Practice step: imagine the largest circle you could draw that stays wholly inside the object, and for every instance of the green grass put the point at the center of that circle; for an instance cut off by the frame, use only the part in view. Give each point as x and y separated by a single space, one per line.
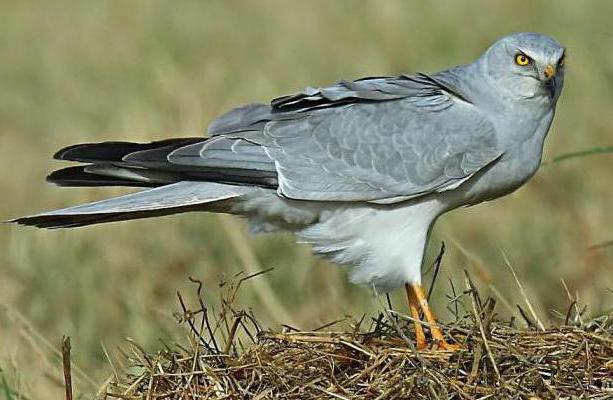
7 391
142 70
583 153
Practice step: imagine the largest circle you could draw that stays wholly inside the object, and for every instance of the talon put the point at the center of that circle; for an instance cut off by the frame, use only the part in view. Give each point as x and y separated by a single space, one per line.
421 344
444 346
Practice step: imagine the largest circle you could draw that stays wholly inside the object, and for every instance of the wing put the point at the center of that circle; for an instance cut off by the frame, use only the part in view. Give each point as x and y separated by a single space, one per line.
379 151
368 140
375 139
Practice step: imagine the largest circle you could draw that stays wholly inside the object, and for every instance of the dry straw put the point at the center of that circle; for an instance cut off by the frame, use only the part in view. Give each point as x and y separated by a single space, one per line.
229 356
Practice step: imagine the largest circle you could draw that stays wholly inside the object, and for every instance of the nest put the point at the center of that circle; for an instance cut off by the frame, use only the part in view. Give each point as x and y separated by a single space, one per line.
232 357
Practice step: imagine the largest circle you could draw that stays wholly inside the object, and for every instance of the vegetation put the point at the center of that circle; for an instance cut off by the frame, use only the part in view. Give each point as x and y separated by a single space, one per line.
146 69
230 356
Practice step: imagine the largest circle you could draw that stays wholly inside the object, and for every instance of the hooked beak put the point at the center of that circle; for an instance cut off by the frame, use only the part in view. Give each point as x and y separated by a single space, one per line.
550 80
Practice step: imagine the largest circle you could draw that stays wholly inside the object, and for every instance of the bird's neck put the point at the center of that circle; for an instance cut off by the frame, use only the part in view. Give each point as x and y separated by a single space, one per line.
531 117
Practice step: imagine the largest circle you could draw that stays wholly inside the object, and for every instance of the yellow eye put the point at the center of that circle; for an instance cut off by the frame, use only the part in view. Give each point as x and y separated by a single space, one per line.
522 59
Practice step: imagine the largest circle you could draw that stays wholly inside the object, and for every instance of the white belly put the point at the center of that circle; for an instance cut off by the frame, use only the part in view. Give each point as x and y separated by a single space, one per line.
384 246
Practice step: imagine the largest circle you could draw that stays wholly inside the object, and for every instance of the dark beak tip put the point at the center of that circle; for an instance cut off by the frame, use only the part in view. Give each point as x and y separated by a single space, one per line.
550 85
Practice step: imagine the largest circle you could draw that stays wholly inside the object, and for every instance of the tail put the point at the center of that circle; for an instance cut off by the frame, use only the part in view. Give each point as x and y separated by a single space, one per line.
149 164
105 165
169 199
193 185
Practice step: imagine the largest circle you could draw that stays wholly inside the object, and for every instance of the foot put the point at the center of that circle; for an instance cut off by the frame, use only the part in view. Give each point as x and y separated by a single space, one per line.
440 342
420 335
442 345
421 343
417 300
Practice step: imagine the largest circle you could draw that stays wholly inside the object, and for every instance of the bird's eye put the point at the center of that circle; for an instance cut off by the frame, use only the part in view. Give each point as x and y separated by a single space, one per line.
522 60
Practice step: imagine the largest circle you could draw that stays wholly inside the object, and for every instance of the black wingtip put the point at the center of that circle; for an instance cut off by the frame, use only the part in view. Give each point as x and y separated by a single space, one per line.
78 177
53 221
113 151
91 152
63 153
24 221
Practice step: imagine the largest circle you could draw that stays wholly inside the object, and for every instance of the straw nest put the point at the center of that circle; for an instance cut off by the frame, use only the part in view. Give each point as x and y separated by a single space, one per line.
229 356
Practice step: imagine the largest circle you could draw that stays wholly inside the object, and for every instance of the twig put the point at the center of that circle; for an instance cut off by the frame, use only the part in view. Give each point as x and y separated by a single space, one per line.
573 300
564 362
187 316
437 267
521 289
35 338
66 365
394 323
527 319
329 324
601 245
483 275
205 314
489 315
235 326
111 363
569 312
249 261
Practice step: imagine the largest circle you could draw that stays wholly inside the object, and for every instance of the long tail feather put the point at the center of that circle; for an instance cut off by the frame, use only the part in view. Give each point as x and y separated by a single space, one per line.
170 199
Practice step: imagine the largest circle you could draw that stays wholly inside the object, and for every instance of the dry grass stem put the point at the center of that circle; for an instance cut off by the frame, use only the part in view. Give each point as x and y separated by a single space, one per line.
498 360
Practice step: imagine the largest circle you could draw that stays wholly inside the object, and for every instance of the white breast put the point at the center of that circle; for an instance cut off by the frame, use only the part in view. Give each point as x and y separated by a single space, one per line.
384 246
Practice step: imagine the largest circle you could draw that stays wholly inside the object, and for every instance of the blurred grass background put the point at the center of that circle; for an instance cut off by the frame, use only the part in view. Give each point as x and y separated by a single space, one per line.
76 71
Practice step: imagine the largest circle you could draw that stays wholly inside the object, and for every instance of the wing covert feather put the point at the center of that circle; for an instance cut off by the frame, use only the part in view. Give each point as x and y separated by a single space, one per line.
379 150
365 140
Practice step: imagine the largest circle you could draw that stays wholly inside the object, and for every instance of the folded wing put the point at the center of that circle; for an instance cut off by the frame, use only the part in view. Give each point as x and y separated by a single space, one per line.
374 139
368 140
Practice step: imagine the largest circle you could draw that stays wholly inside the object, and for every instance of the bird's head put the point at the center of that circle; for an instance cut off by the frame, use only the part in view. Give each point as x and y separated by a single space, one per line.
527 65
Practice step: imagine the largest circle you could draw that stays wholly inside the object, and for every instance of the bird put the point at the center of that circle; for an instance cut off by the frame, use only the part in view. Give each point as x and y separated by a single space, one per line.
360 169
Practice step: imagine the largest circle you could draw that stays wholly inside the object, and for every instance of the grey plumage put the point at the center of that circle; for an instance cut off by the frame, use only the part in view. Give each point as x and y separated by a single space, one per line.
168 199
359 169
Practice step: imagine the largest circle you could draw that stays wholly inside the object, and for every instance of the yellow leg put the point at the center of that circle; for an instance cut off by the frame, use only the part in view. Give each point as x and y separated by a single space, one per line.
435 331
420 336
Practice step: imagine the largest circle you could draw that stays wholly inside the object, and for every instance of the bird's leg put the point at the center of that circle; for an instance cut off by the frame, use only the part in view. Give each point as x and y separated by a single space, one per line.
435 331
420 336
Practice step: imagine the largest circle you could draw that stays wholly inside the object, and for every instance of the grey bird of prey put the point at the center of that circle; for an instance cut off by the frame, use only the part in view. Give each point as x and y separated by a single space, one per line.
360 169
